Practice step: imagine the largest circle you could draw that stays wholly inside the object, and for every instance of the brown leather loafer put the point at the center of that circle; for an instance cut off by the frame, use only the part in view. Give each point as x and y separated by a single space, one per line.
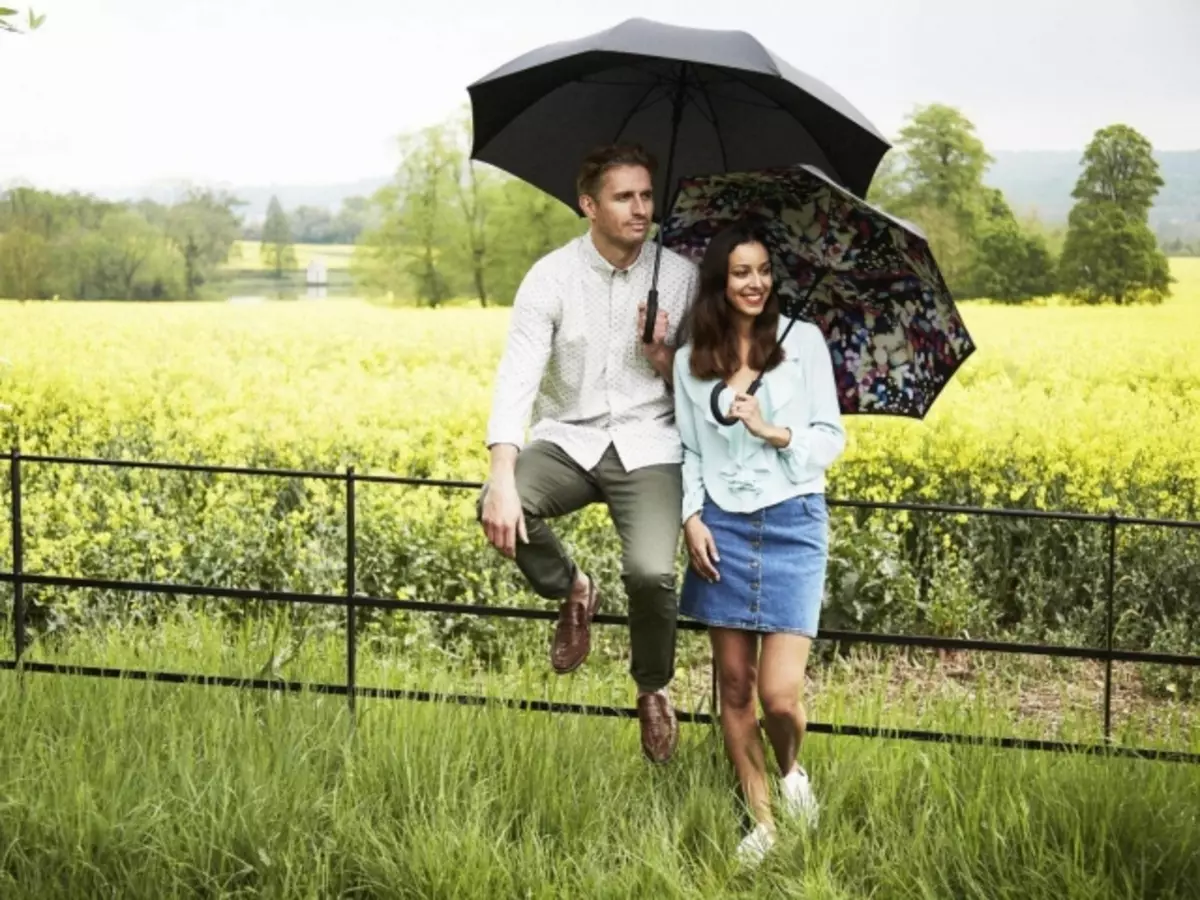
573 633
660 729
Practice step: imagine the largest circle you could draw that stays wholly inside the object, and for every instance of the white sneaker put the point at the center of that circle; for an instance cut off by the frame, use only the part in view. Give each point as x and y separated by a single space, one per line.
798 799
755 845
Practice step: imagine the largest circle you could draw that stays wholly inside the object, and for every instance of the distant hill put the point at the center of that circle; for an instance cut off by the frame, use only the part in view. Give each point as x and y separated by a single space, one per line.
256 197
1031 180
1042 181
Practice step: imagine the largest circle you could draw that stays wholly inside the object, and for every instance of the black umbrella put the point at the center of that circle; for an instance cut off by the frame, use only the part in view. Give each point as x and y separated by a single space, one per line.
702 101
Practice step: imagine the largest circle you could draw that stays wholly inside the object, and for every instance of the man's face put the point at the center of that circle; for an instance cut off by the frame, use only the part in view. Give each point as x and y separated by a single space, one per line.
624 205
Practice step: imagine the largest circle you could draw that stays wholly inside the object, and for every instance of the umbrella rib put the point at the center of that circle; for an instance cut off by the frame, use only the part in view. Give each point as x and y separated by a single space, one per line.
635 109
713 120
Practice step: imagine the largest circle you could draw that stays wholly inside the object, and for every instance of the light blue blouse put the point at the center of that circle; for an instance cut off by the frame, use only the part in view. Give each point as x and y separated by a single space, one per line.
743 473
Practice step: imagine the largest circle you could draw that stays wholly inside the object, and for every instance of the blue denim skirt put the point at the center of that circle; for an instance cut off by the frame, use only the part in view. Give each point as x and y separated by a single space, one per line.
772 568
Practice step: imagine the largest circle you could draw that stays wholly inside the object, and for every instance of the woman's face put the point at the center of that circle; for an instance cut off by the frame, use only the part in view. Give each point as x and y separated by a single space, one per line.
749 282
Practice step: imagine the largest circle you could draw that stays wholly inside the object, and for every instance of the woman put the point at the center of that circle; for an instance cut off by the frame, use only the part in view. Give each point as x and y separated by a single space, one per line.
754 513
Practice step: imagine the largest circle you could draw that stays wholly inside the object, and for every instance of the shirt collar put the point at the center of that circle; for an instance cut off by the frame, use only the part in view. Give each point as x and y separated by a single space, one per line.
602 265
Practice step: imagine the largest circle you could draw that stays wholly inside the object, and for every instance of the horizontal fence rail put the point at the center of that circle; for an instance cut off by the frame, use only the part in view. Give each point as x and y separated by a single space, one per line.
352 601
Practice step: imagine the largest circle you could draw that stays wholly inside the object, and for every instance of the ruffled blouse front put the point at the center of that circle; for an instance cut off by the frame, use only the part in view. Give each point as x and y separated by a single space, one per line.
744 473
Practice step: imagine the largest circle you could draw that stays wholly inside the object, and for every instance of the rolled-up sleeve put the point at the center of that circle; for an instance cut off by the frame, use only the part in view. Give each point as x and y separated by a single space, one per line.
526 352
820 438
685 420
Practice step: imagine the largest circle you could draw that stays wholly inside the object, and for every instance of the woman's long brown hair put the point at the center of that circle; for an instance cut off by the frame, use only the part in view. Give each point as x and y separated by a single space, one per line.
709 322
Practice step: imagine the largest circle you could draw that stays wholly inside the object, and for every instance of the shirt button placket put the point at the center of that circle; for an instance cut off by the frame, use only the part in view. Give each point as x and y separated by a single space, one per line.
616 298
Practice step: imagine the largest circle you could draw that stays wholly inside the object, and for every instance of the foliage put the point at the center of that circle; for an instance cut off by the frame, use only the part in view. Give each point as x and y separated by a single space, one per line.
1043 180
1112 255
934 177
944 161
1079 409
1119 168
449 226
1012 263
317 225
241 793
24 262
1110 251
277 252
74 246
408 247
7 15
202 228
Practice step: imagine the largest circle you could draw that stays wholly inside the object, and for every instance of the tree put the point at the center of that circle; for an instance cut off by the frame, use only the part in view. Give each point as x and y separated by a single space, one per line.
887 190
24 264
1112 255
1008 262
276 250
944 161
1110 251
202 228
935 178
1011 264
1119 167
474 193
129 244
525 225
406 250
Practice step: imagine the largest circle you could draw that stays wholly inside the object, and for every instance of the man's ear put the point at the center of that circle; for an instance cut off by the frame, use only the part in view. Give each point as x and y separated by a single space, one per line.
587 203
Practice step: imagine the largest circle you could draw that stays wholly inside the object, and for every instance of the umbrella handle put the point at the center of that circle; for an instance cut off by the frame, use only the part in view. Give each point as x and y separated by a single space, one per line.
714 399
651 316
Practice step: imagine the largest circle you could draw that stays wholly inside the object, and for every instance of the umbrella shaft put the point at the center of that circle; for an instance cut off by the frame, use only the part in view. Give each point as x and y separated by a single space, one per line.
676 118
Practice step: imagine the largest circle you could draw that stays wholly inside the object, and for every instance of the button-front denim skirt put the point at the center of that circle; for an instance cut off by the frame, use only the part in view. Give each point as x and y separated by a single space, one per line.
772 567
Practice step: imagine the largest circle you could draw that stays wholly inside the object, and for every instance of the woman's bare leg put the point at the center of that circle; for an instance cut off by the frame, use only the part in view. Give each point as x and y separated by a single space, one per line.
781 670
735 654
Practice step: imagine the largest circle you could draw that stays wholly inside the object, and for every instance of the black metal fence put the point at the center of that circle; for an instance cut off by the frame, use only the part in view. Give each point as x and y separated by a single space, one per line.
352 600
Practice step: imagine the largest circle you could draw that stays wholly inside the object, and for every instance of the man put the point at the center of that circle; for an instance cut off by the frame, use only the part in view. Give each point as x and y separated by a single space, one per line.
603 426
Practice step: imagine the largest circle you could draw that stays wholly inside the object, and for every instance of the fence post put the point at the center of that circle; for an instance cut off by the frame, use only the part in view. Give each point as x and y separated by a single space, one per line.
1109 624
716 712
351 588
18 558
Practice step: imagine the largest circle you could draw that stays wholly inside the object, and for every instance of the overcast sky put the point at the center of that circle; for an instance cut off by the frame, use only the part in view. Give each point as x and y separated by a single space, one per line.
119 92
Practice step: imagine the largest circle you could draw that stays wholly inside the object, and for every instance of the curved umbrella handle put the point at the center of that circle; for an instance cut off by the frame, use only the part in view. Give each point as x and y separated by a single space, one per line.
714 399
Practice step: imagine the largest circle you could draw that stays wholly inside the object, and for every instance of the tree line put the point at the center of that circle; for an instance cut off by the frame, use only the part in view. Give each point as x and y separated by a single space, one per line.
317 225
450 227
935 174
76 247
446 227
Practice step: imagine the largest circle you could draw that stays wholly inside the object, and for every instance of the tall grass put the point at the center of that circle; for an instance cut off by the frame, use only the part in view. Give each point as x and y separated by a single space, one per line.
131 790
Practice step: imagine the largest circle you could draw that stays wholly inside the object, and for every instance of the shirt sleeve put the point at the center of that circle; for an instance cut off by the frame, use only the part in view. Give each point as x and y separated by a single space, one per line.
526 353
685 420
820 439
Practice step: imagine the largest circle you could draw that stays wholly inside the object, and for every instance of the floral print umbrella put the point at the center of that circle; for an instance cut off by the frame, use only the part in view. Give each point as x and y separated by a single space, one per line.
867 279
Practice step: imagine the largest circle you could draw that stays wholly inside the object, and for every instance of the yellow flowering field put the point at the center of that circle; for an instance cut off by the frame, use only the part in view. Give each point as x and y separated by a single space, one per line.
1062 407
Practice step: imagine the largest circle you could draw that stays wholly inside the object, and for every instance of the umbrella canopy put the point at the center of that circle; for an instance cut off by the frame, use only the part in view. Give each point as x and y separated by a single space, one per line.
867 279
701 101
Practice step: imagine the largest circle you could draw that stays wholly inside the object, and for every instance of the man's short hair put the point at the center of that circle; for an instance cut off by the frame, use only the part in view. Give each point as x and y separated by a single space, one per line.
600 160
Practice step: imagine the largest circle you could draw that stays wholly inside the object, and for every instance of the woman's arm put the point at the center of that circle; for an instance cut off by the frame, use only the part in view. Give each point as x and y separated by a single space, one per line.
685 421
818 441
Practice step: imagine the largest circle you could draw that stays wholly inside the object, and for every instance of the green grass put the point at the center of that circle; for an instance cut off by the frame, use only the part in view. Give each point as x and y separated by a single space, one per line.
123 789
135 790
245 255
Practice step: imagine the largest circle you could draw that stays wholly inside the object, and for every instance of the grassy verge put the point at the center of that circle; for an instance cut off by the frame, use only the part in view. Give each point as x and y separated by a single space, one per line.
136 790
